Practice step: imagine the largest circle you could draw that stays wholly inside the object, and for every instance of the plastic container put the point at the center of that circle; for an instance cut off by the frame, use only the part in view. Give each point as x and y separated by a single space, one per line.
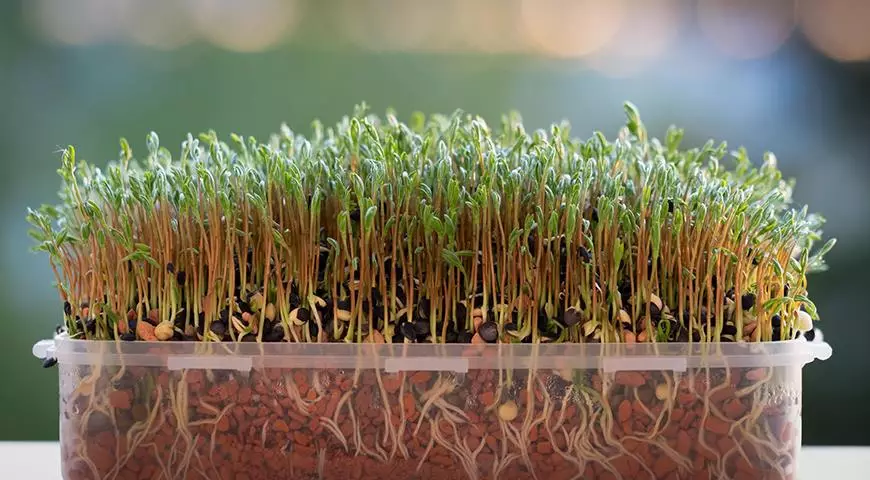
337 411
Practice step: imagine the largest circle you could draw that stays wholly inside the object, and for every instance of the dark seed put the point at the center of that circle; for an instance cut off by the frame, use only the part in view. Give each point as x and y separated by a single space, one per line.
421 327
451 337
670 206
91 325
249 338
128 337
49 362
776 334
730 293
747 301
572 317
218 328
584 254
67 309
181 278
461 312
464 337
511 327
170 267
785 290
303 314
776 321
810 335
408 331
729 329
594 215
276 335
354 215
696 336
488 331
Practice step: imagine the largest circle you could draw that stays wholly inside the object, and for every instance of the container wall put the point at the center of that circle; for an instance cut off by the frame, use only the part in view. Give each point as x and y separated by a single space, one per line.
512 419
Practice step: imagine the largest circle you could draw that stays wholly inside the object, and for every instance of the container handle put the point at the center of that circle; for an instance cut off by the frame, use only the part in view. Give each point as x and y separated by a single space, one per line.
44 349
640 364
426 364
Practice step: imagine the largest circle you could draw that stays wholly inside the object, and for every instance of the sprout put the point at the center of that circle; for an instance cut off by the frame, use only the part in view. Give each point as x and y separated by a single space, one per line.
438 231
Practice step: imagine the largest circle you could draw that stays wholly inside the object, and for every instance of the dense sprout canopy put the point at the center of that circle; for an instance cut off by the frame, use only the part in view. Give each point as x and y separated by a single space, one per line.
442 229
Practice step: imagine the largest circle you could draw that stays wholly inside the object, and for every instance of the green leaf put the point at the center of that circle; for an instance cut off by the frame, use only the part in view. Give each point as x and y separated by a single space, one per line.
370 217
453 260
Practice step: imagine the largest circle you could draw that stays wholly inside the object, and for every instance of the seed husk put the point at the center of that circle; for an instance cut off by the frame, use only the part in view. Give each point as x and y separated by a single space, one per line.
804 321
164 331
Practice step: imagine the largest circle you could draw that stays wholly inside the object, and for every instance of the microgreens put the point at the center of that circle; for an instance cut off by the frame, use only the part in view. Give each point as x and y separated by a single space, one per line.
443 224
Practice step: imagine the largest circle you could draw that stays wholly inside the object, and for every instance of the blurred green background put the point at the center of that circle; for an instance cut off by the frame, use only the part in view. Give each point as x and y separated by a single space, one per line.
778 75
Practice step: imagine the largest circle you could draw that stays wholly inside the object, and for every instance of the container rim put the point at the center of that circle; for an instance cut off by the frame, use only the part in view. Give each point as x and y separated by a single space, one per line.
610 357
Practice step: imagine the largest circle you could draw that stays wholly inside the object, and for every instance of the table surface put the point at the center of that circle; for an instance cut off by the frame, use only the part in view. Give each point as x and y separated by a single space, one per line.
41 461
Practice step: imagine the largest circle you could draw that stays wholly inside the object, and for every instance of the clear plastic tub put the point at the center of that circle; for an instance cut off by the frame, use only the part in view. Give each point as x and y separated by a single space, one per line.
337 411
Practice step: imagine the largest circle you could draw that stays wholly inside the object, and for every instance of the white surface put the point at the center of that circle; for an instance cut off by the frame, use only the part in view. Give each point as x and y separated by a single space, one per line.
41 461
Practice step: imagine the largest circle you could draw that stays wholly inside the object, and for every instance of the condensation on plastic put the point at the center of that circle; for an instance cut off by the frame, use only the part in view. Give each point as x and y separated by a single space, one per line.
677 357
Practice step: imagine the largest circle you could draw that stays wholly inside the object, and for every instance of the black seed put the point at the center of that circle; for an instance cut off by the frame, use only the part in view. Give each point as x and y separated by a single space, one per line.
249 338
730 293
423 306
682 336
218 328
451 337
477 300
572 317
49 362
670 206
128 337
543 321
785 290
747 301
810 335
488 331
464 337
776 321
511 327
354 215
584 254
303 314
594 215
181 278
696 336
224 316
276 335
244 306
408 331
776 334
91 326
727 338
177 336
461 312
422 327
729 329
170 267
343 304
714 282
67 308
